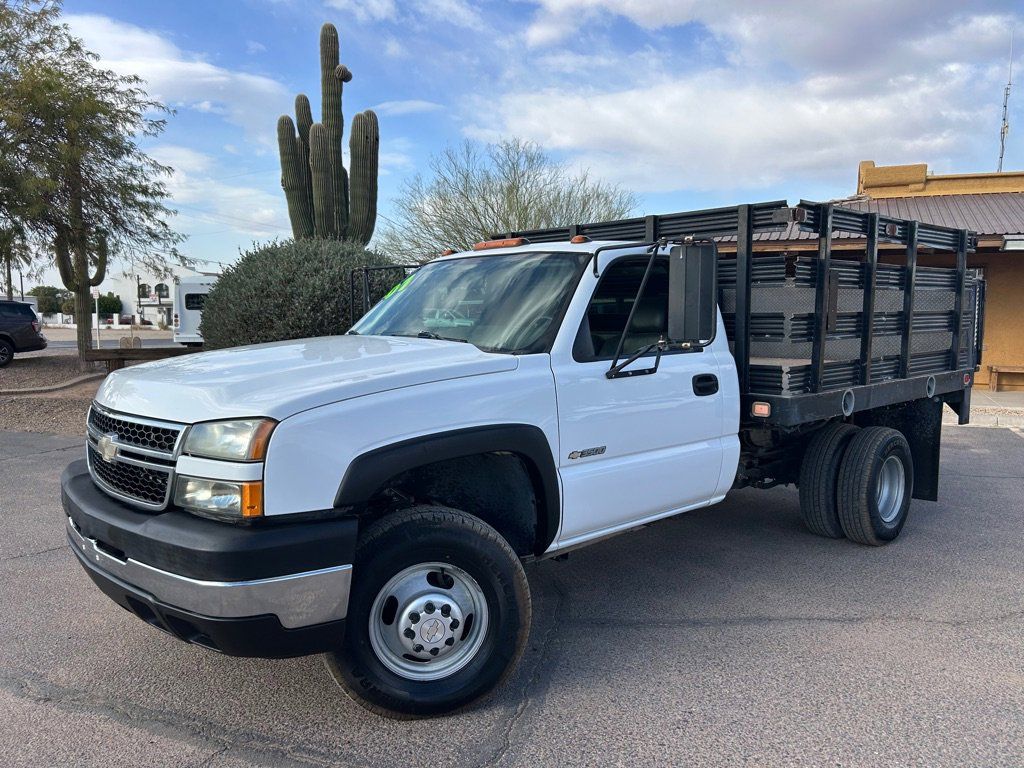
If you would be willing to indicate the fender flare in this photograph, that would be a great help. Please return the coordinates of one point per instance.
(368, 472)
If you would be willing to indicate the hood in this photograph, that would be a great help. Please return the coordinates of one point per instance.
(281, 379)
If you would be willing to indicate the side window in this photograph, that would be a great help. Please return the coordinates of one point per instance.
(609, 309)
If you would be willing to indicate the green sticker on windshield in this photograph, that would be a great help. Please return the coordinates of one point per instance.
(400, 287)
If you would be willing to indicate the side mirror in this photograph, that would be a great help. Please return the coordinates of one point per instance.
(692, 293)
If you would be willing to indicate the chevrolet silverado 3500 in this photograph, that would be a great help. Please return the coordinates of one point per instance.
(374, 496)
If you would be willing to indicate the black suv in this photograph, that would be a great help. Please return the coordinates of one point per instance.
(19, 330)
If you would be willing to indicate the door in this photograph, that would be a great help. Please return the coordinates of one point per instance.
(635, 447)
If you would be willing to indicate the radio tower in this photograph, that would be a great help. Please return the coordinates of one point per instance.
(1005, 127)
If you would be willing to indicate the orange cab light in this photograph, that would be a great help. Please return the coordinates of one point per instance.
(447, 251)
(580, 239)
(508, 242)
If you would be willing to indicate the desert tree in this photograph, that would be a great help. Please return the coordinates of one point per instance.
(474, 190)
(73, 175)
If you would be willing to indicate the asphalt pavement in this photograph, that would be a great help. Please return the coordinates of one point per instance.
(726, 637)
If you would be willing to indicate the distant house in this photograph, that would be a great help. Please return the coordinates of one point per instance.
(989, 204)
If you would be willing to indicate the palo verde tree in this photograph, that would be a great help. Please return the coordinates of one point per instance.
(474, 191)
(323, 200)
(79, 184)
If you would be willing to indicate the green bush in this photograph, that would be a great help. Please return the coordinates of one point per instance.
(50, 298)
(290, 289)
(109, 304)
(67, 307)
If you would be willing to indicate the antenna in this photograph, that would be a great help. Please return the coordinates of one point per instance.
(1005, 127)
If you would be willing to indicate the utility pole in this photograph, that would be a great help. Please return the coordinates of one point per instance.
(1004, 128)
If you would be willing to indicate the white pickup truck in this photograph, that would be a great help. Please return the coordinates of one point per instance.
(374, 496)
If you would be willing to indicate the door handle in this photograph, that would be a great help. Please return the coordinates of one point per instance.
(705, 384)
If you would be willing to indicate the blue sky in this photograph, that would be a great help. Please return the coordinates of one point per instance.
(690, 103)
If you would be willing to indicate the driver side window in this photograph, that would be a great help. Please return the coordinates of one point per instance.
(609, 308)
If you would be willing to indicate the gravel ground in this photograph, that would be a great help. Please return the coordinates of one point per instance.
(41, 369)
(63, 415)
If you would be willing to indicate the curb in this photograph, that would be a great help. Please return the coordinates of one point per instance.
(992, 420)
(54, 387)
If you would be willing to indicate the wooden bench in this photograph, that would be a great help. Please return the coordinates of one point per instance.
(116, 358)
(995, 370)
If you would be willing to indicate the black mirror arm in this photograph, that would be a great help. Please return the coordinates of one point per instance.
(653, 249)
(617, 371)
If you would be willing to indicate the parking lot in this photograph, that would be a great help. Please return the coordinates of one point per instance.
(728, 636)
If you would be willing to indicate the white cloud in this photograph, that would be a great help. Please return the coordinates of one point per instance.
(205, 201)
(181, 79)
(457, 12)
(253, 47)
(367, 10)
(406, 107)
(798, 92)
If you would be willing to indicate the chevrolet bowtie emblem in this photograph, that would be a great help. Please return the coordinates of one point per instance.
(106, 447)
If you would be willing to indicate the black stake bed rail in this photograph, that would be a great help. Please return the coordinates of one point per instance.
(830, 336)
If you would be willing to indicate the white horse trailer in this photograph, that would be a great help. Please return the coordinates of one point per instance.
(189, 299)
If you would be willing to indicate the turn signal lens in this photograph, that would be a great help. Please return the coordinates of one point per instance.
(761, 410)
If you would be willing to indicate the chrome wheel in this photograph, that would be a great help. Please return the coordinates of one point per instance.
(428, 621)
(891, 487)
(5, 354)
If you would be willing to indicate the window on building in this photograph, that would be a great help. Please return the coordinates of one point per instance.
(143, 290)
(162, 290)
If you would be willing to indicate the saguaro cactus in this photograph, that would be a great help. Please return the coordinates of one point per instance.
(322, 202)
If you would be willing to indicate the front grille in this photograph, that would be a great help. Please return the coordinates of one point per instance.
(139, 483)
(142, 453)
(130, 432)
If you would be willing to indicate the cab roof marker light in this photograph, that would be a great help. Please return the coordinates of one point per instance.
(508, 242)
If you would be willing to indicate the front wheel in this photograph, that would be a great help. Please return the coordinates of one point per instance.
(6, 352)
(439, 614)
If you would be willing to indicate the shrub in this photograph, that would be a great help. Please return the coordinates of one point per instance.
(110, 304)
(67, 307)
(290, 289)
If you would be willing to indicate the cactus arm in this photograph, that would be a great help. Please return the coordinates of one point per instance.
(364, 149)
(299, 212)
(322, 175)
(63, 258)
(303, 120)
(101, 259)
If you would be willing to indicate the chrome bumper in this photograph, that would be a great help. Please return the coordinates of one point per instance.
(298, 600)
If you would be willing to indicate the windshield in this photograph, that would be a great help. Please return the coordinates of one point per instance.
(505, 303)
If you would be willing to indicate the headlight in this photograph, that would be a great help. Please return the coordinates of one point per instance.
(241, 440)
(219, 498)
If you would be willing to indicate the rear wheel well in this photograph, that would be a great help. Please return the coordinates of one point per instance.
(500, 488)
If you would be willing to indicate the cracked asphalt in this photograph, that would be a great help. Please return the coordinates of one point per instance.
(728, 636)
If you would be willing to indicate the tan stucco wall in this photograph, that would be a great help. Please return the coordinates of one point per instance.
(1004, 312)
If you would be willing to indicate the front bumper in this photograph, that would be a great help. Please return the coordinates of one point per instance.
(270, 591)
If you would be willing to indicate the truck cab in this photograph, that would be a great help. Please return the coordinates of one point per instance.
(374, 496)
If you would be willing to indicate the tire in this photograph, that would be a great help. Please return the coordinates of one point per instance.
(876, 482)
(819, 479)
(6, 352)
(398, 574)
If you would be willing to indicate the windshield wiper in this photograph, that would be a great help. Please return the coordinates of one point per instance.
(428, 335)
